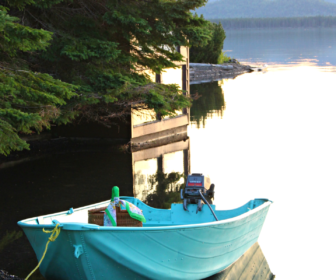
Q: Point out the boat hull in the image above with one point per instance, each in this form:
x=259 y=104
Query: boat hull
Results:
x=175 y=252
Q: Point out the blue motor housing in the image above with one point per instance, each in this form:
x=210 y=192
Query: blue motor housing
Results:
x=197 y=183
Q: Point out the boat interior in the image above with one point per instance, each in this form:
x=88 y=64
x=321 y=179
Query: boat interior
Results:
x=154 y=217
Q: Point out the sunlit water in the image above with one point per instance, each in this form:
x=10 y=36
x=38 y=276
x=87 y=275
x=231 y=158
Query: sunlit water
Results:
x=276 y=139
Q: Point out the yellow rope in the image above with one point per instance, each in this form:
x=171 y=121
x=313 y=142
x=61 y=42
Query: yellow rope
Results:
x=54 y=234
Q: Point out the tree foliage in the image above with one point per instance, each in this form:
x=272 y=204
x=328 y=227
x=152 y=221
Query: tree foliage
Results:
x=267 y=8
x=66 y=58
x=28 y=100
x=210 y=52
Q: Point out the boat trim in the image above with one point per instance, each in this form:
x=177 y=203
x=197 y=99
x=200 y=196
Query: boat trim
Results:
x=86 y=227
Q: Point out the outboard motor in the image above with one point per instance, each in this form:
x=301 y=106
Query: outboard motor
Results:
x=197 y=190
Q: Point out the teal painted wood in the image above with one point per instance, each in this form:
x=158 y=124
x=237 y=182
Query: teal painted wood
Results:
x=173 y=244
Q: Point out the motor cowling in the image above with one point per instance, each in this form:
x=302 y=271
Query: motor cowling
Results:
x=197 y=183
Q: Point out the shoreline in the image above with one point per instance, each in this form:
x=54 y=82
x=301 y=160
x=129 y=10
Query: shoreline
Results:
x=203 y=73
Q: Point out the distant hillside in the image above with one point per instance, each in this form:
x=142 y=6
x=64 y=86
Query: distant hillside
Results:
x=292 y=22
x=267 y=8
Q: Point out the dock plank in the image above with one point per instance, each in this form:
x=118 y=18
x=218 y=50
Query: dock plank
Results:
x=250 y=266
x=263 y=271
x=251 y=270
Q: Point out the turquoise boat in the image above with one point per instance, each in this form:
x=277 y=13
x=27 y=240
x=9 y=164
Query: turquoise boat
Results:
x=172 y=244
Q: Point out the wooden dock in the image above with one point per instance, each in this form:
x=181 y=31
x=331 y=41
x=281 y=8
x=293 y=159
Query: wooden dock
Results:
x=250 y=266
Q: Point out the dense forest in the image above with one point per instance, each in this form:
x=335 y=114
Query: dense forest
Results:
x=294 y=22
x=267 y=8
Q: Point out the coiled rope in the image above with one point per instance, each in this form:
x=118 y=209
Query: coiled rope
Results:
x=54 y=234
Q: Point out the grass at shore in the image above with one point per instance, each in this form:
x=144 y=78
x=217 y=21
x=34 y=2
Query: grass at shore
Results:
x=224 y=58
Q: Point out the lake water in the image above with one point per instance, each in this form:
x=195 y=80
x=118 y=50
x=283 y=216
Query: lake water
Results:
x=267 y=134
x=283 y=46
x=275 y=138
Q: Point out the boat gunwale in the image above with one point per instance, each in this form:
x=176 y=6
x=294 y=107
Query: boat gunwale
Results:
x=74 y=226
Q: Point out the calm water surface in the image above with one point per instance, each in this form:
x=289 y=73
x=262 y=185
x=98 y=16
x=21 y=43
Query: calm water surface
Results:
x=283 y=46
x=276 y=139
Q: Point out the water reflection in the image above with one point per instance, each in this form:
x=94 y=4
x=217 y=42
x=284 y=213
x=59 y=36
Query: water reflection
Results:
x=9 y=238
x=143 y=170
x=209 y=102
x=165 y=189
x=149 y=165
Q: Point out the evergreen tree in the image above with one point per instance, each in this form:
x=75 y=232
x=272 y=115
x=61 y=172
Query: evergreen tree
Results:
x=210 y=52
x=66 y=58
x=28 y=100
